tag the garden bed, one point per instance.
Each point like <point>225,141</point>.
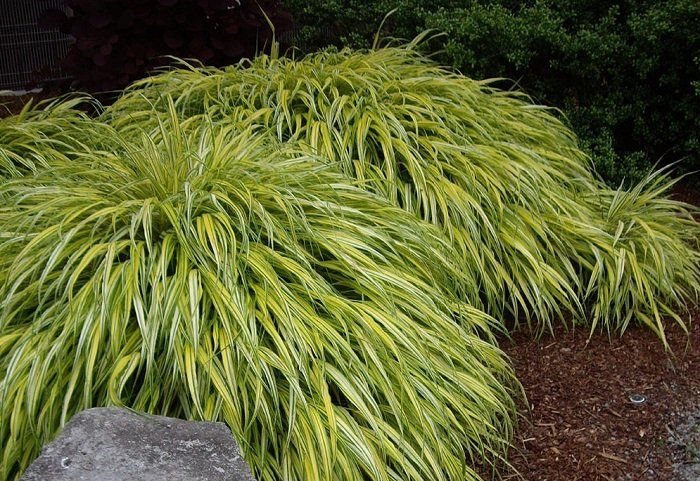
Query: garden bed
<point>580,423</point>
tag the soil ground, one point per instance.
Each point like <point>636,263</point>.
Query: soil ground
<point>13,104</point>
<point>580,423</point>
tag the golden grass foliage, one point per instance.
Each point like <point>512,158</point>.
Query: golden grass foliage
<point>539,235</point>
<point>317,252</point>
<point>209,273</point>
<point>41,132</point>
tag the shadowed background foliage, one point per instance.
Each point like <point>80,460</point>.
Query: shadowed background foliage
<point>118,41</point>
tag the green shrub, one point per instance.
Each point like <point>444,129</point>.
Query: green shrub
<point>207,274</point>
<point>538,234</point>
<point>622,72</point>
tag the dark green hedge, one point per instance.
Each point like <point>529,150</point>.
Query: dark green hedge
<point>626,74</point>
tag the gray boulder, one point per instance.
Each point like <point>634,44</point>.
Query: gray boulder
<point>112,444</point>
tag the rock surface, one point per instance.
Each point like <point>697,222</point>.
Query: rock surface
<point>112,444</point>
<point>685,436</point>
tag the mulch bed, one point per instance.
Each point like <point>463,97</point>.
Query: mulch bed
<point>580,423</point>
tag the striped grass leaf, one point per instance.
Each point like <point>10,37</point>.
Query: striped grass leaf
<point>647,265</point>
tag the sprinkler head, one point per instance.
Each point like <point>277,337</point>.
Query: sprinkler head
<point>638,399</point>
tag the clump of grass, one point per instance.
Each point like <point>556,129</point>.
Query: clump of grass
<point>644,262</point>
<point>539,235</point>
<point>202,273</point>
<point>52,128</point>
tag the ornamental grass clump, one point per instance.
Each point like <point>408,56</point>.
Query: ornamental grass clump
<point>643,262</point>
<point>202,273</point>
<point>53,128</point>
<point>540,237</point>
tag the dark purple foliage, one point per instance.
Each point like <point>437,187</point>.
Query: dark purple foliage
<point>118,41</point>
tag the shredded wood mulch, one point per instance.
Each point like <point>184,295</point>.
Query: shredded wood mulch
<point>580,423</point>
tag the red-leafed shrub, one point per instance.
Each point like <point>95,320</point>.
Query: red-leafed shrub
<point>117,41</point>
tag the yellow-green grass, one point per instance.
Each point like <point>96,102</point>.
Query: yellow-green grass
<point>539,236</point>
<point>49,129</point>
<point>207,272</point>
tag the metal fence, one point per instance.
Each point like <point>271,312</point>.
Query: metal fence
<point>29,53</point>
